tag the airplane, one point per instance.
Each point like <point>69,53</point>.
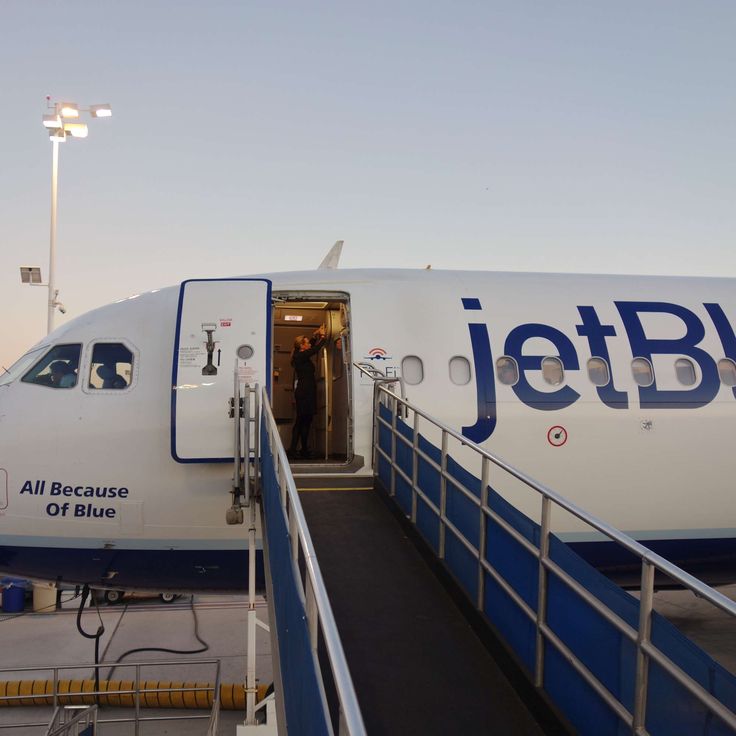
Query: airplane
<point>116,448</point>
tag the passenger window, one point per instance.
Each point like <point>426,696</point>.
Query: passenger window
<point>727,371</point>
<point>552,371</point>
<point>507,371</point>
<point>459,370</point>
<point>642,371</point>
<point>412,369</point>
<point>57,369</point>
<point>685,371</point>
<point>598,372</point>
<point>111,367</point>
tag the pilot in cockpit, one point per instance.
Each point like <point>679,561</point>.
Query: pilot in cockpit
<point>62,374</point>
<point>110,377</point>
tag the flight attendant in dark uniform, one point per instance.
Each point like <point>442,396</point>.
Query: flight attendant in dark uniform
<point>305,392</point>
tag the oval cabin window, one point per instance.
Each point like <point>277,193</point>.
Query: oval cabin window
<point>459,370</point>
<point>598,372</point>
<point>642,371</point>
<point>412,369</point>
<point>552,371</point>
<point>685,371</point>
<point>507,371</point>
<point>727,371</point>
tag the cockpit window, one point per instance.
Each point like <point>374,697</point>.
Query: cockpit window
<point>57,369</point>
<point>111,367</point>
<point>20,366</point>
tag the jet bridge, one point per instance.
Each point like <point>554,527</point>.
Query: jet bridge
<point>369,640</point>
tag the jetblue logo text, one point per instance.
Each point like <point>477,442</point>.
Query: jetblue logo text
<point>597,335</point>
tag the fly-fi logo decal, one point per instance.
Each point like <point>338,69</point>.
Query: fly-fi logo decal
<point>642,344</point>
<point>377,354</point>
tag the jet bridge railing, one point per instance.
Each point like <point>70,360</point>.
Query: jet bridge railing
<point>319,697</point>
<point>573,618</point>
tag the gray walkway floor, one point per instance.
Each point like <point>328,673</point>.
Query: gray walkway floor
<point>416,664</point>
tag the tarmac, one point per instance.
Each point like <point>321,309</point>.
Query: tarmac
<point>51,639</point>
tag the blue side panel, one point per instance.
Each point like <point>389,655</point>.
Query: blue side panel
<point>302,693</point>
<point>599,645</point>
<point>428,480</point>
<point>607,653</point>
<point>519,568</point>
<point>404,461</point>
<point>670,704</point>
<point>384,441</point>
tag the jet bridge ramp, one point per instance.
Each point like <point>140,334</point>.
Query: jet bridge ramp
<point>606,661</point>
<point>417,665</point>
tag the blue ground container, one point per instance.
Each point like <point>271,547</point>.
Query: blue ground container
<point>14,595</point>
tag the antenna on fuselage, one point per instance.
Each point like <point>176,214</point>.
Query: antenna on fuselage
<point>333,257</point>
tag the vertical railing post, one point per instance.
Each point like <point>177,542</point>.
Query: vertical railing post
<point>251,654</point>
<point>246,443</point>
<point>542,590</point>
<point>414,468</point>
<point>646,605</point>
<point>237,488</point>
<point>56,687</point>
<point>293,535</point>
<point>137,700</point>
<point>376,404</point>
<point>443,494</point>
<point>393,446</point>
<point>485,479</point>
<point>312,613</point>
<point>257,443</point>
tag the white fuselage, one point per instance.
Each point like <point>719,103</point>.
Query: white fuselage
<point>655,461</point>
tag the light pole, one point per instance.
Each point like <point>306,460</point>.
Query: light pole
<point>59,130</point>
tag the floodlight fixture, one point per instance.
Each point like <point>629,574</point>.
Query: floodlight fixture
<point>100,111</point>
<point>51,121</point>
<point>77,130</point>
<point>59,130</point>
<point>30,275</point>
<point>69,110</point>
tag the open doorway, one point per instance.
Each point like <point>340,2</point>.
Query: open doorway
<point>298,314</point>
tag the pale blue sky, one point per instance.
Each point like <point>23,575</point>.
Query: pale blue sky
<point>249,136</point>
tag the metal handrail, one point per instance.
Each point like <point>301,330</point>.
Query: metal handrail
<point>650,561</point>
<point>375,375</point>
<point>59,727</point>
<point>317,604</point>
<point>136,691</point>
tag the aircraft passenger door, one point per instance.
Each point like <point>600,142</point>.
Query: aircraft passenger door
<point>220,323</point>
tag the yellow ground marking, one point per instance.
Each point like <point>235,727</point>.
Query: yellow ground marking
<point>304,490</point>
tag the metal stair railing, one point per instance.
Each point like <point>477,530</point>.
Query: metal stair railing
<point>640,637</point>
<point>85,717</point>
<point>133,696</point>
<point>311,589</point>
